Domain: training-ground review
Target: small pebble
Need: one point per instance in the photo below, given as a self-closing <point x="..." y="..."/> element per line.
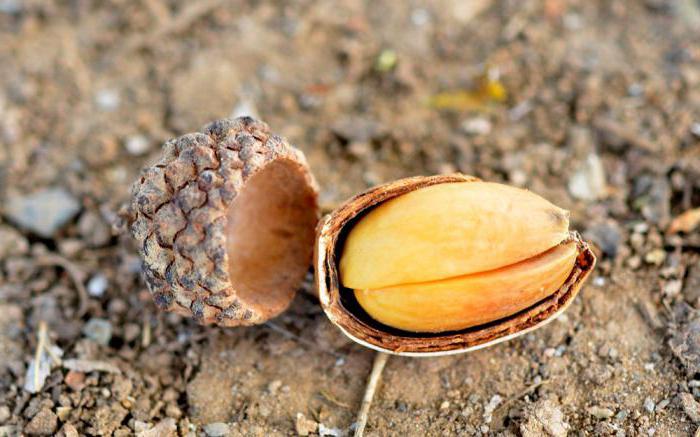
<point x="108" y="99"/>
<point x="633" y="262"/>
<point x="690" y="406"/>
<point x="445" y="405"/>
<point x="649" y="405"/>
<point x="673" y="287"/>
<point x="607" y="236"/>
<point x="137" y="145"/>
<point x="695" y="129"/>
<point x="600" y="412"/>
<point x="5" y="413"/>
<point x="216" y="429"/>
<point x="420" y="17"/>
<point x="330" y="432"/>
<point x="44" y="422"/>
<point x="491" y="407"/>
<point x="655" y="257"/>
<point x="305" y="426"/>
<point x="97" y="285"/>
<point x="98" y="330"/>
<point x="476" y="126"/>
<point x="663" y="404"/>
<point x="274" y="386"/>
<point x="588" y="182"/>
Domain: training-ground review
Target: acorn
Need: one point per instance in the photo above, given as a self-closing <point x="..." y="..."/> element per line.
<point x="446" y="264"/>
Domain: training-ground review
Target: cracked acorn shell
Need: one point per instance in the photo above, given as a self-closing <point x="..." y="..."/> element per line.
<point x="225" y="223"/>
<point x="394" y="275"/>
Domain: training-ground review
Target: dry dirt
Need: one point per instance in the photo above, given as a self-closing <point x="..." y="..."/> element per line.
<point x="601" y="115"/>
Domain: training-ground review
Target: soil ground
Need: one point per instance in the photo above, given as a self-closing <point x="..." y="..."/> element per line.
<point x="593" y="104"/>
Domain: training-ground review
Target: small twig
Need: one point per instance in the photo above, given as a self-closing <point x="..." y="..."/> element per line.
<point x="277" y="328"/>
<point x="377" y="368"/>
<point x="527" y="391"/>
<point x="41" y="344"/>
<point x="329" y="397"/>
<point x="73" y="272"/>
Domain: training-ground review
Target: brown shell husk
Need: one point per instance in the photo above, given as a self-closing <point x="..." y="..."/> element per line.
<point x="344" y="312"/>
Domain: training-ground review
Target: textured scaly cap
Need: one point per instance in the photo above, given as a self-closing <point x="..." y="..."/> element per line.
<point x="225" y="223"/>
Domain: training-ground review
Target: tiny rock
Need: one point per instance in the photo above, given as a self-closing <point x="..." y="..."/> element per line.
<point x="43" y="423"/>
<point x="655" y="257"/>
<point x="43" y="212"/>
<point x="97" y="285"/>
<point x="656" y="206"/>
<point x="216" y="429"/>
<point x="491" y="407"/>
<point x="75" y="380"/>
<point x="93" y="229"/>
<point x="323" y="430"/>
<point x="691" y="287"/>
<point x="690" y="406"/>
<point x="164" y="428"/>
<point x="600" y="412"/>
<point x="547" y="418"/>
<point x="685" y="342"/>
<point x="99" y="330"/>
<point x="476" y="126"/>
<point x="5" y="414"/>
<point x="305" y="426"/>
<point x="69" y="430"/>
<point x="274" y="386"/>
<point x="12" y="242"/>
<point x="605" y="235"/>
<point x="649" y="405"/>
<point x="108" y="99"/>
<point x="137" y="145"/>
<point x="588" y="182"/>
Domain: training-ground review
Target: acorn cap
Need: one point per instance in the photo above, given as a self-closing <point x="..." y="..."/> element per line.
<point x="343" y="310"/>
<point x="225" y="223"/>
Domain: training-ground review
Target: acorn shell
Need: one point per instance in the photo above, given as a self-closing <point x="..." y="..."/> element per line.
<point x="344" y="311"/>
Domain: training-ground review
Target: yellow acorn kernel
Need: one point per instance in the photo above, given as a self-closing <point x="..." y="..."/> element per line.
<point x="456" y="255"/>
<point x="449" y="230"/>
<point x="470" y="300"/>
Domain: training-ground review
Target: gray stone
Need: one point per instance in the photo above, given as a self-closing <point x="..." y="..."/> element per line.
<point x="588" y="182"/>
<point x="43" y="212"/>
<point x="99" y="330"/>
<point x="649" y="405"/>
<point x="605" y="235"/>
<point x="216" y="429"/>
<point x="97" y="285"/>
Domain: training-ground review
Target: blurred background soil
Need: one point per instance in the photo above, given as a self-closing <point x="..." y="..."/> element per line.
<point x="593" y="104"/>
